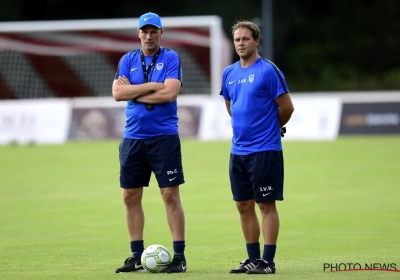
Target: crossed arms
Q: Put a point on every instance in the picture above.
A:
(168, 91)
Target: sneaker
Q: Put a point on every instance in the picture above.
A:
(245, 266)
(131, 264)
(263, 267)
(177, 265)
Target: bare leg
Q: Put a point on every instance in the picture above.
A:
(134, 212)
(174, 210)
(270, 222)
(249, 220)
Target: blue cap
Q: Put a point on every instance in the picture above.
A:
(150, 19)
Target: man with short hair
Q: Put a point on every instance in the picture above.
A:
(257, 99)
(149, 79)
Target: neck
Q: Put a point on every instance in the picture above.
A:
(151, 52)
(248, 61)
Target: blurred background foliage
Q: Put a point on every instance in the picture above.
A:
(319, 45)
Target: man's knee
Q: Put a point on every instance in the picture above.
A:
(131, 197)
(170, 195)
(245, 207)
(267, 207)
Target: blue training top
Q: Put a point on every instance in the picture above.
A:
(163, 119)
(252, 92)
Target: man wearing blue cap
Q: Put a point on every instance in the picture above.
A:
(149, 79)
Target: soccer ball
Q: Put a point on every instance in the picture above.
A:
(156, 258)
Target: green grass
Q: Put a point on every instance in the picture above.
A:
(61, 214)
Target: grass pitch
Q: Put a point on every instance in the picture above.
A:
(61, 214)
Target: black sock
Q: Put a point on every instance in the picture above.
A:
(253, 250)
(179, 248)
(269, 254)
(137, 248)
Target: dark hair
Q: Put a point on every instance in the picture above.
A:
(255, 31)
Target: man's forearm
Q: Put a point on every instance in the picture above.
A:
(126, 91)
(158, 97)
(284, 116)
(129, 92)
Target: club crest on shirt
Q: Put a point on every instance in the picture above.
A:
(159, 66)
(251, 78)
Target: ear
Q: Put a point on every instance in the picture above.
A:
(162, 31)
(138, 33)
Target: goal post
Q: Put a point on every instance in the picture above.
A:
(78, 58)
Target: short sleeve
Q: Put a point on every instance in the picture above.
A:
(275, 81)
(123, 67)
(174, 67)
(224, 90)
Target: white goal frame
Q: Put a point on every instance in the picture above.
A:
(217, 40)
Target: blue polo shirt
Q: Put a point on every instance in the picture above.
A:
(252, 92)
(163, 119)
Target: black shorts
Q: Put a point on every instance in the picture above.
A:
(160, 155)
(257, 176)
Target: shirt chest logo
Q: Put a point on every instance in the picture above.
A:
(251, 78)
(159, 66)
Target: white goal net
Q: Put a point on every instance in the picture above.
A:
(79, 58)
